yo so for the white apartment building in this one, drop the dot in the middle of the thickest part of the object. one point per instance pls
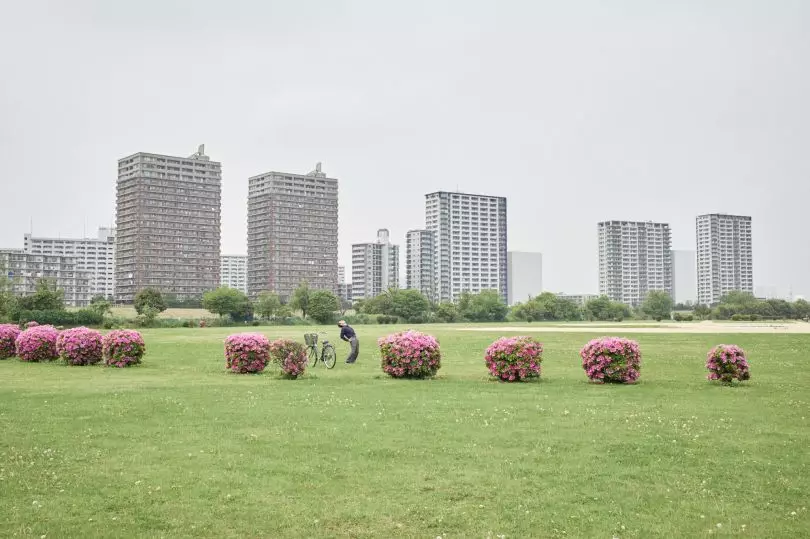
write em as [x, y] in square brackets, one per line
[684, 282]
[579, 299]
[375, 267]
[92, 256]
[634, 259]
[724, 256]
[525, 276]
[24, 270]
[420, 264]
[233, 272]
[470, 243]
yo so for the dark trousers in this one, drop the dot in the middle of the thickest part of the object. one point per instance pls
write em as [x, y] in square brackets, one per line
[355, 349]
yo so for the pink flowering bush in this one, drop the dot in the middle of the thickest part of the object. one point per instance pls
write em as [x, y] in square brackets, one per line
[514, 359]
[410, 354]
[612, 359]
[291, 356]
[727, 362]
[247, 353]
[122, 348]
[8, 338]
[31, 324]
[37, 344]
[80, 346]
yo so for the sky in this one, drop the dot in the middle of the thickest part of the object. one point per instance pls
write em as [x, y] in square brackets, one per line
[576, 111]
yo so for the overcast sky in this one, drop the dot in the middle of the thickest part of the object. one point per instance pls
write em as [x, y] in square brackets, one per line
[576, 111]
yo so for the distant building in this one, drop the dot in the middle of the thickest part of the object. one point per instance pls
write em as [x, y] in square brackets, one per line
[93, 256]
[470, 236]
[724, 256]
[24, 270]
[233, 272]
[634, 259]
[420, 262]
[684, 281]
[579, 299]
[168, 225]
[375, 267]
[292, 232]
[524, 276]
[341, 275]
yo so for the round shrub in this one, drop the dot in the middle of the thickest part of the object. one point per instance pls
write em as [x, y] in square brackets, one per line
[410, 354]
[37, 344]
[247, 353]
[80, 346]
[513, 359]
[31, 324]
[727, 362]
[612, 359]
[291, 356]
[8, 339]
[122, 348]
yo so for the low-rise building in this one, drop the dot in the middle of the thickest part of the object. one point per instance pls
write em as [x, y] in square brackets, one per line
[24, 270]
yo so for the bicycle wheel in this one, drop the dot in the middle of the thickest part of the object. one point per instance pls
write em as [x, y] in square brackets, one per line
[313, 356]
[328, 356]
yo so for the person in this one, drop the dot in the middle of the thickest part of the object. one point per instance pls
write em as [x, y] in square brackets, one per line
[347, 334]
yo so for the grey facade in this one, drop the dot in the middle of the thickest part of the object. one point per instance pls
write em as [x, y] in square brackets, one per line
[579, 299]
[24, 270]
[525, 276]
[470, 236]
[93, 256]
[684, 282]
[292, 232]
[724, 256]
[168, 225]
[375, 267]
[420, 262]
[634, 259]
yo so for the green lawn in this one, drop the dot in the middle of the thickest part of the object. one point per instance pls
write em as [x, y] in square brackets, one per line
[179, 448]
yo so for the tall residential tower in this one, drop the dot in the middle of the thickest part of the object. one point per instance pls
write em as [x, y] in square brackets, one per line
[420, 264]
[168, 225]
[375, 267]
[724, 256]
[634, 258]
[292, 233]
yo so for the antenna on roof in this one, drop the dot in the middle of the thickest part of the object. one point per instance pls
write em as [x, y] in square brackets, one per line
[318, 173]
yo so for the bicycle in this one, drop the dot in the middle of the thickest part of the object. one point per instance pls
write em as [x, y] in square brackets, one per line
[327, 355]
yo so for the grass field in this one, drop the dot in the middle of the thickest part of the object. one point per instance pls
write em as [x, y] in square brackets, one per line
[178, 448]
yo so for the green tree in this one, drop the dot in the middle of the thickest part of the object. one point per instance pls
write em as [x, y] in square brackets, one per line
[702, 311]
[149, 297]
[381, 303]
[46, 297]
[486, 306]
[99, 304]
[447, 312]
[603, 309]
[7, 299]
[323, 305]
[801, 309]
[658, 305]
[410, 305]
[301, 298]
[268, 304]
[228, 301]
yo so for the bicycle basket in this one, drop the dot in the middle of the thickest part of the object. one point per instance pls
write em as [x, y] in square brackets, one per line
[311, 339]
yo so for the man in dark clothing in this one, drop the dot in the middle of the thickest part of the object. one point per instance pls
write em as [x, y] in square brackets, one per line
[347, 334]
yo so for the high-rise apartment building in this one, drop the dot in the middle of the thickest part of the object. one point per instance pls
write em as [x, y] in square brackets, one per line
[375, 267]
[292, 232]
[420, 262]
[92, 256]
[470, 243]
[524, 276]
[233, 272]
[724, 256]
[168, 225]
[684, 284]
[634, 259]
[24, 270]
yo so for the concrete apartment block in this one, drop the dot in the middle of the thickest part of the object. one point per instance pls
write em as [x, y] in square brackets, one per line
[684, 282]
[420, 262]
[168, 225]
[634, 258]
[233, 272]
[579, 299]
[470, 235]
[375, 267]
[724, 256]
[292, 232]
[93, 256]
[24, 270]
[525, 276]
